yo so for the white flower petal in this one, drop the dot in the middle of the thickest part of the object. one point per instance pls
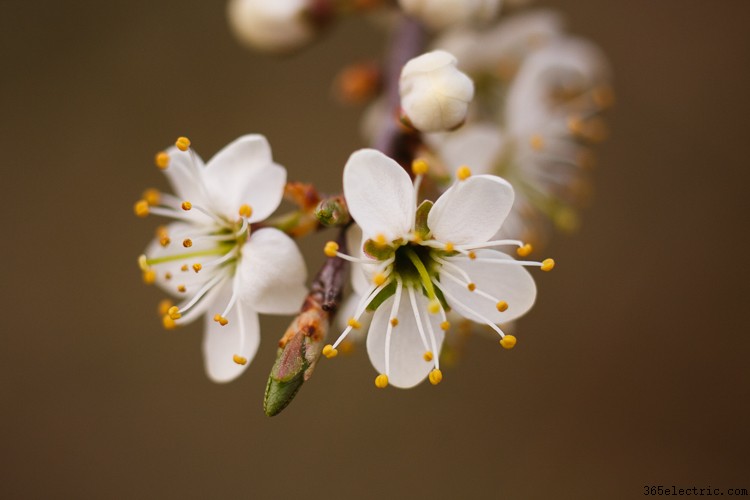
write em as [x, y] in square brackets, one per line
[185, 173]
[244, 173]
[379, 193]
[272, 273]
[511, 283]
[359, 276]
[347, 310]
[471, 211]
[477, 145]
[240, 336]
[407, 364]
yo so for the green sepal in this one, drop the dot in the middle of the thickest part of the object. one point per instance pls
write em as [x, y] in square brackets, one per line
[377, 251]
[385, 294]
[420, 224]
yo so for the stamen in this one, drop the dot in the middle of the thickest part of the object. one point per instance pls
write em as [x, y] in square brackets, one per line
[487, 244]
[449, 247]
[463, 173]
[420, 166]
[184, 268]
[152, 196]
[186, 205]
[331, 249]
[428, 356]
[381, 381]
[182, 143]
[466, 309]
[415, 310]
[436, 376]
[164, 241]
[168, 323]
[508, 342]
[239, 359]
[164, 307]
[141, 208]
[143, 262]
[548, 264]
[354, 323]
[167, 276]
[221, 319]
[379, 279]
[394, 322]
[161, 160]
[360, 310]
[187, 242]
[197, 267]
[181, 289]
[389, 328]
[525, 250]
[380, 240]
[149, 277]
[445, 325]
[502, 306]
[246, 211]
[329, 352]
[174, 312]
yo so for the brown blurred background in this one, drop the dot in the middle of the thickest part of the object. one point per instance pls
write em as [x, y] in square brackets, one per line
[631, 371]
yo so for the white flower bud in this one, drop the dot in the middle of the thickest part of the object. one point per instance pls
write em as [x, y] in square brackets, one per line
[435, 95]
[272, 26]
[439, 14]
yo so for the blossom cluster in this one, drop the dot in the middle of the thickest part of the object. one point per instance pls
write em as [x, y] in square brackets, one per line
[481, 142]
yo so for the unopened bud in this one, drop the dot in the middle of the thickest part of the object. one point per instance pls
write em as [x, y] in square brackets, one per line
[332, 212]
[272, 26]
[439, 14]
[435, 94]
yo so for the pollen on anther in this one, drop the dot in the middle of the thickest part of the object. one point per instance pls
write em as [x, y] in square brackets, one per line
[436, 376]
[181, 288]
[167, 276]
[379, 279]
[162, 160]
[329, 352]
[508, 342]
[164, 307]
[186, 205]
[445, 325]
[141, 208]
[164, 241]
[472, 255]
[525, 250]
[427, 356]
[187, 242]
[463, 173]
[536, 142]
[394, 322]
[152, 196]
[380, 240]
[354, 323]
[331, 248]
[420, 167]
[502, 306]
[449, 247]
[381, 381]
[168, 323]
[246, 210]
[184, 268]
[434, 307]
[197, 267]
[143, 262]
[548, 264]
[149, 277]
[174, 312]
[239, 359]
[471, 287]
[221, 319]
[182, 143]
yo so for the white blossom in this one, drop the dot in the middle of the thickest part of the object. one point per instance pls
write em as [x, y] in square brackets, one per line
[439, 14]
[211, 259]
[435, 95]
[271, 25]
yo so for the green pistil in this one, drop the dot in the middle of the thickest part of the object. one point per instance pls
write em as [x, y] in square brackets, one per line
[423, 274]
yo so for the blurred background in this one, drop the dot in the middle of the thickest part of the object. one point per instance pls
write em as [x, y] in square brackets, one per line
[632, 370]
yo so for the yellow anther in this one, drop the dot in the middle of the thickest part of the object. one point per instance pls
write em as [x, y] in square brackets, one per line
[182, 143]
[463, 173]
[379, 279]
[246, 210]
[164, 306]
[168, 323]
[161, 231]
[220, 319]
[419, 166]
[525, 250]
[380, 240]
[149, 277]
[239, 359]
[436, 376]
[162, 160]
[502, 306]
[428, 356]
[184, 268]
[416, 238]
[186, 205]
[471, 287]
[187, 242]
[329, 352]
[164, 241]
[536, 142]
[394, 321]
[347, 346]
[354, 323]
[167, 275]
[197, 267]
[381, 381]
[445, 325]
[472, 255]
[331, 248]
[508, 342]
[141, 208]
[434, 307]
[174, 312]
[143, 262]
[449, 247]
[181, 288]
[152, 196]
[548, 264]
